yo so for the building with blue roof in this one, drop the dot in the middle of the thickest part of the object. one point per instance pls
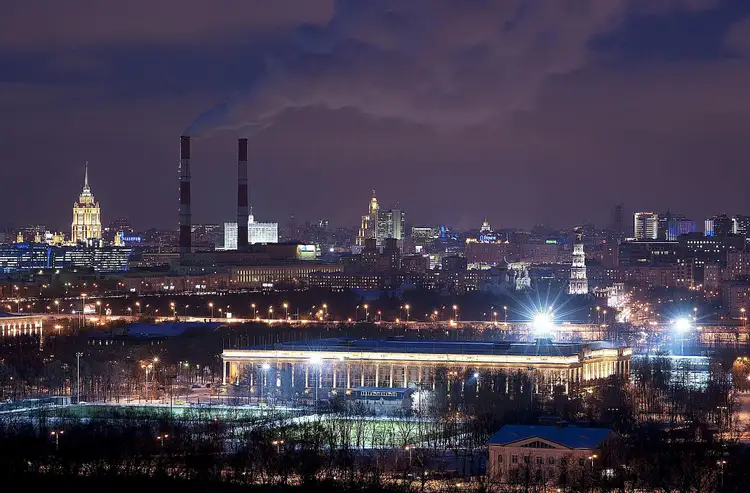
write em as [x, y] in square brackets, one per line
[545, 453]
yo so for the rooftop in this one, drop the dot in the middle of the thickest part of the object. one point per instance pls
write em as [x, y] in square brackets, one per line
[16, 315]
[542, 347]
[569, 436]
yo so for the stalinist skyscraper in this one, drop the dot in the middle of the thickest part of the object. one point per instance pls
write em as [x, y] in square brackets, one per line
[369, 227]
[578, 282]
[87, 222]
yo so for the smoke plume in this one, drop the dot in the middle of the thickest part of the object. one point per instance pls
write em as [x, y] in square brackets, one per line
[444, 63]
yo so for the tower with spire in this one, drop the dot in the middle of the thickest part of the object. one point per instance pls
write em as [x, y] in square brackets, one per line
[578, 284]
[87, 223]
[369, 226]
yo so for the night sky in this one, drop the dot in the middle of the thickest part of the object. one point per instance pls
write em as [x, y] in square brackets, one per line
[521, 111]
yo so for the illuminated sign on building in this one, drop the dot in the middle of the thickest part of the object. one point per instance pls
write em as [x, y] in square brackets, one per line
[129, 239]
[378, 393]
[306, 252]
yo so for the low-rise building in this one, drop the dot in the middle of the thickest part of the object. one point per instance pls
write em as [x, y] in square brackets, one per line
[544, 454]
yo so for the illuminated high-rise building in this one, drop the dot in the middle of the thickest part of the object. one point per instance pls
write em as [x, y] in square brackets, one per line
[391, 224]
[369, 225]
[87, 223]
[578, 282]
[741, 225]
[646, 225]
[261, 232]
[256, 232]
[720, 225]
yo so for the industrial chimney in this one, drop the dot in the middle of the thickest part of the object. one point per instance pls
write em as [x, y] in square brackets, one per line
[242, 211]
[184, 170]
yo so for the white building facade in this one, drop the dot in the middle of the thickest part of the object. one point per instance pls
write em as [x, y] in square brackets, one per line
[256, 233]
[579, 284]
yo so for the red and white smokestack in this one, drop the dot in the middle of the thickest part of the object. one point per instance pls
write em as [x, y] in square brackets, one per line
[242, 210]
[185, 218]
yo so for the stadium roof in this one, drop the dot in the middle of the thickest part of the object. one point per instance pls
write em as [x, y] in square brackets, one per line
[571, 437]
[542, 347]
[16, 315]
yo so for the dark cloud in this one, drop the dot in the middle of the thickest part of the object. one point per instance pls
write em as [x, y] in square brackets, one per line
[444, 63]
[443, 113]
[738, 38]
[45, 24]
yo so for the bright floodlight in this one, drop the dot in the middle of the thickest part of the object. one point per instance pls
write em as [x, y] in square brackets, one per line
[266, 366]
[682, 325]
[315, 359]
[542, 324]
[476, 375]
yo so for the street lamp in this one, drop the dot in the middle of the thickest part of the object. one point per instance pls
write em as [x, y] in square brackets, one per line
[543, 325]
[147, 367]
[174, 308]
[286, 311]
[408, 311]
[56, 434]
[78, 377]
[255, 311]
[211, 306]
[681, 327]
[367, 311]
[161, 438]
[270, 312]
[591, 458]
[506, 314]
[380, 316]
[325, 308]
[186, 307]
[83, 308]
[138, 304]
[57, 304]
[455, 312]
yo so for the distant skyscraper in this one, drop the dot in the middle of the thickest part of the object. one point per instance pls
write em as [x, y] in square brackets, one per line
[617, 225]
[391, 224]
[230, 236]
[741, 225]
[87, 224]
[256, 233]
[578, 282]
[261, 232]
[671, 226]
[646, 225]
[720, 225]
[678, 226]
[369, 226]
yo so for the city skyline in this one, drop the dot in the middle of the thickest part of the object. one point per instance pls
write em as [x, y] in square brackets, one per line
[632, 91]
